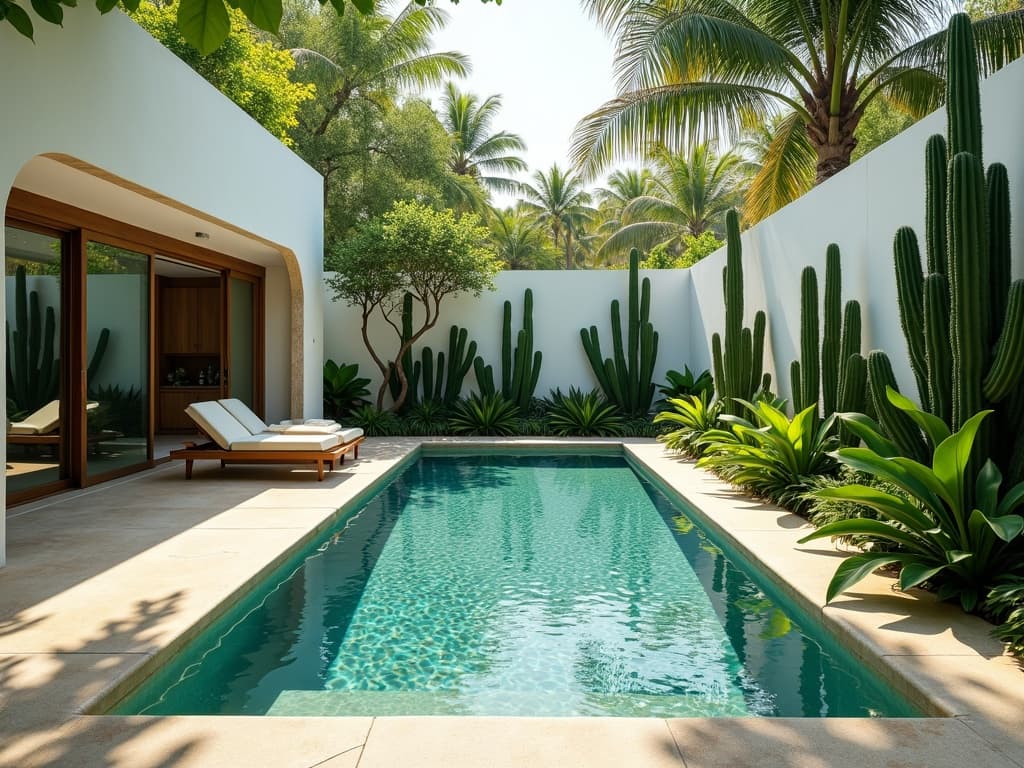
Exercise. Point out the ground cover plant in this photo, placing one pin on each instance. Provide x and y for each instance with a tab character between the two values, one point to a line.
583	414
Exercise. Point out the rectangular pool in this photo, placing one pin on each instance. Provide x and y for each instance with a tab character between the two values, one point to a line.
546	585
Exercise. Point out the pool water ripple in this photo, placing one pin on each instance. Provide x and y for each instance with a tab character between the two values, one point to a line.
518	585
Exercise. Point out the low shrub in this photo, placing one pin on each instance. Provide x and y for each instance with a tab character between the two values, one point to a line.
375	422
583	414
426	419
1005	605
694	416
685	384
484	415
344	390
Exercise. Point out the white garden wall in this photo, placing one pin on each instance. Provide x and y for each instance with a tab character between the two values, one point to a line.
860	210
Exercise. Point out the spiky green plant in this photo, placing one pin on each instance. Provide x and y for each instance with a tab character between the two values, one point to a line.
695	416
687	383
625	378
583	414
484	415
375	422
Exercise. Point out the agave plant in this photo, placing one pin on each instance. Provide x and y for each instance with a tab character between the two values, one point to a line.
776	457
375	422
687	383
583	414
344	391
484	415
695	416
426	418
941	538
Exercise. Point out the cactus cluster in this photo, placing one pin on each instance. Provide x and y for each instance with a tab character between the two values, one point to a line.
520	366
433	378
33	369
626	377
964	319
739	359
831	368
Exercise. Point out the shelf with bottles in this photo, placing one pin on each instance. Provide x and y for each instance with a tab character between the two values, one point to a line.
181	370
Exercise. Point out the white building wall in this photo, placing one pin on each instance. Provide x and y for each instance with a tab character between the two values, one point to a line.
860	210
101	90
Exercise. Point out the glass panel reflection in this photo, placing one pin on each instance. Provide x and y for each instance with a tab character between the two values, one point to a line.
117	346
241	374
35	447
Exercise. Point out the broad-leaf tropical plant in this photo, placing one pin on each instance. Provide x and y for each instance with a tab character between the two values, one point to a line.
344	389
687	383
699	68
940	537
774	456
696	415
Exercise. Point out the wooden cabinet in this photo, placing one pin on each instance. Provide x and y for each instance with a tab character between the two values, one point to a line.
173	401
190	316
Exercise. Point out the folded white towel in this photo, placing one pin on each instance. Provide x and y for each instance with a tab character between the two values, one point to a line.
305	429
320	422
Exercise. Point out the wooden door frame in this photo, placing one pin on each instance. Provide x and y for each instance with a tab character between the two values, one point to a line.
259	337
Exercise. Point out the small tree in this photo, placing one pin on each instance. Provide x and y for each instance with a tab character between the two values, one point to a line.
416	250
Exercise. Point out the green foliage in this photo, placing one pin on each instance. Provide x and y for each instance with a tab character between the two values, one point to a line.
344	390
375	422
962	317
252	73
559	201
415	250
881	121
583	414
33	365
1005	604
426	418
979	9
520	367
695	415
686	383
118	410
738	360
951	526
520	241
822	510
774	456
484	415
625	378
204	24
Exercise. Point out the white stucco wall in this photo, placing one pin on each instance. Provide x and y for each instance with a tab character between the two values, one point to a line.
563	303
102	91
860	209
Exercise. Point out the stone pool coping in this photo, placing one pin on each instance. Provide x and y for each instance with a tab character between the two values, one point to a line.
103	584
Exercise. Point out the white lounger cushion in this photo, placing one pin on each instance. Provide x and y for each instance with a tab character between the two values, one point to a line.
215	421
350	434
304	429
270	442
41	422
244	414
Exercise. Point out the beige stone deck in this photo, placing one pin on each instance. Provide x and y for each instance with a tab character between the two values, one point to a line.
103	584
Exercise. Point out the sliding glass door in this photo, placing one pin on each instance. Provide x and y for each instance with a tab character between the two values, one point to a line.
117	360
37	455
241	331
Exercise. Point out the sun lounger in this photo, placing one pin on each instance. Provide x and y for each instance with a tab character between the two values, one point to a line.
234	442
41	427
257	426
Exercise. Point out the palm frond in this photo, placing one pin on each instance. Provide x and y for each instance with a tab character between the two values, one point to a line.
787	170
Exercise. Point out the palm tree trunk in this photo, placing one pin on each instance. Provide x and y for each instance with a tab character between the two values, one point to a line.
832	158
570	259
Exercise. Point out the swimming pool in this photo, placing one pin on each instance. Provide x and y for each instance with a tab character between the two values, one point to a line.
548	585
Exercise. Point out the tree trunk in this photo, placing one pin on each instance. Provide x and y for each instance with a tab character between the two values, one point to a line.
832	158
570	260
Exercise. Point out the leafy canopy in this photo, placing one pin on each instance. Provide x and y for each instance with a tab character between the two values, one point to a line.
252	73
204	24
416	250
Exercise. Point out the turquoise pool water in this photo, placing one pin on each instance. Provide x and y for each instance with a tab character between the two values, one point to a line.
516	585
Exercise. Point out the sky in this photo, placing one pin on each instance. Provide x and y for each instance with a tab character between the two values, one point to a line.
548	60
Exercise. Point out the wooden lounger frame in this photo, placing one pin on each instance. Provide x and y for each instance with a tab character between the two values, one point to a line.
202	451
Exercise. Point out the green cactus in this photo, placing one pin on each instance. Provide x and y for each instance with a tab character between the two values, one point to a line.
520	365
825	371
33	369
896	423
964	320
626	378
739	361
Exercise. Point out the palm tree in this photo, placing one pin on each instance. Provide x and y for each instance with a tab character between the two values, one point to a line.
692	68
692	193
368	58
485	156
560	203
520	241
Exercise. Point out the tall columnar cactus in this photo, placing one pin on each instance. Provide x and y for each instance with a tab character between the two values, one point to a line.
964	320
520	366
33	369
739	360
841	380
626	377
434	378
